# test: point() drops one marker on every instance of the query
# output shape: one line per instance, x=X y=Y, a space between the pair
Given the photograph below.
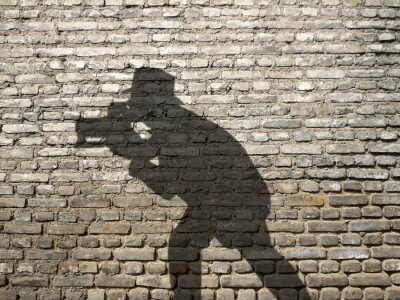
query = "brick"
x=344 y=98
x=46 y=202
x=34 y=177
x=345 y=148
x=73 y=26
x=324 y=74
x=20 y=128
x=115 y=281
x=325 y=280
x=239 y=124
x=391 y=211
x=58 y=176
x=369 y=279
x=22 y=228
x=80 y=202
x=261 y=254
x=119 y=228
x=368 y=174
x=384 y=148
x=305 y=253
x=284 y=227
x=182 y=50
x=11 y=254
x=73 y=281
x=91 y=254
x=284 y=281
x=391 y=265
x=240 y=281
x=257 y=98
x=61 y=229
x=34 y=78
x=133 y=201
x=45 y=254
x=59 y=127
x=304 y=200
x=220 y=254
x=261 y=149
x=326 y=226
x=32 y=281
x=134 y=254
x=12 y=202
x=370 y=225
x=15 y=52
x=156 y=281
x=15 y=103
x=178 y=254
x=348 y=253
x=347 y=200
x=282 y=123
x=215 y=99
x=325 y=123
x=192 y=281
x=301 y=149
x=327 y=174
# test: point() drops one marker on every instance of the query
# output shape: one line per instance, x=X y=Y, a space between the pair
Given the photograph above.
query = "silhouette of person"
x=192 y=163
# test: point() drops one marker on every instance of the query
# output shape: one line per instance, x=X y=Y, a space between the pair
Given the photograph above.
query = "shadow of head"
x=136 y=124
x=150 y=96
x=146 y=100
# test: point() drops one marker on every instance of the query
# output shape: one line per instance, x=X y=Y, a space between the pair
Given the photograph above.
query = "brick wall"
x=217 y=149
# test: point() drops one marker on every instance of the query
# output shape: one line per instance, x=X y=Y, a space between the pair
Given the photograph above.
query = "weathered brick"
x=305 y=253
x=20 y=128
x=33 y=177
x=191 y=281
x=115 y=281
x=156 y=281
x=31 y=281
x=262 y=149
x=282 y=123
x=220 y=254
x=325 y=280
x=283 y=281
x=368 y=174
x=89 y=202
x=240 y=281
x=301 y=149
x=325 y=123
x=73 y=281
x=326 y=226
x=45 y=254
x=284 y=227
x=345 y=148
x=23 y=228
x=91 y=254
x=175 y=253
x=108 y=228
x=12 y=202
x=369 y=279
x=370 y=225
x=46 y=202
x=348 y=253
x=347 y=200
x=304 y=200
x=385 y=252
x=134 y=254
x=61 y=229
x=15 y=103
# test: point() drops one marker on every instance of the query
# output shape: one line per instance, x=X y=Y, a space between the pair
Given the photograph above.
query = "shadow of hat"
x=146 y=75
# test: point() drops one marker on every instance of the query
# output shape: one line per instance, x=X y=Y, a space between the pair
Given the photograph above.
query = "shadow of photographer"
x=193 y=164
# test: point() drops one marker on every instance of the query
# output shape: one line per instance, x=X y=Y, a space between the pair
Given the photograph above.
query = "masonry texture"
x=204 y=149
